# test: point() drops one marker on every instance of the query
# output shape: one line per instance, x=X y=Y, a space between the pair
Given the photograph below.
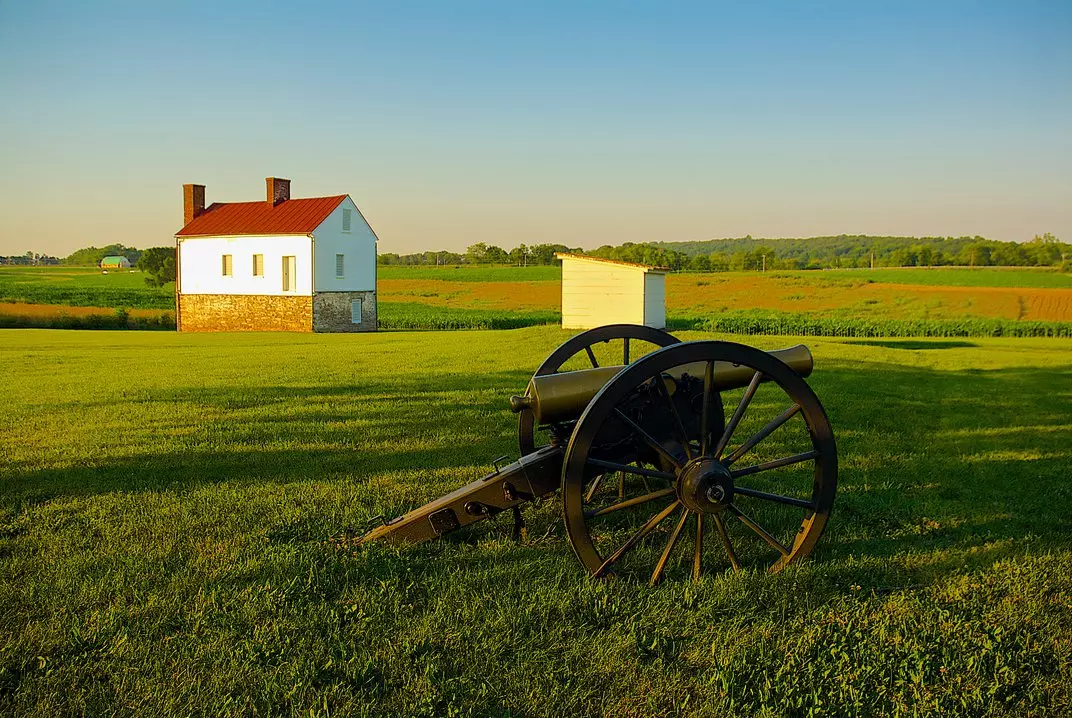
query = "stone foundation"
x=244 y=313
x=332 y=312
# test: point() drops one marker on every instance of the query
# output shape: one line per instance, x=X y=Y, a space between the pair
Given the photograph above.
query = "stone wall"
x=331 y=312
x=245 y=313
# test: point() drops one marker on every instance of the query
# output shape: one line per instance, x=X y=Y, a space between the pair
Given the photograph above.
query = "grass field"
x=166 y=500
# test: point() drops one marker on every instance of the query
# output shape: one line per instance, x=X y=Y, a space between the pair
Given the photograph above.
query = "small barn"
x=276 y=264
x=599 y=291
x=117 y=262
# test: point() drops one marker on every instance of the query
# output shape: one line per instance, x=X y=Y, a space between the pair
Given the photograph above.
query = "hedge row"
x=424 y=317
x=394 y=315
x=805 y=325
x=119 y=320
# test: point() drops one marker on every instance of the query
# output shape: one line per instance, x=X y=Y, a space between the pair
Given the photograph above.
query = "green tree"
x=159 y=264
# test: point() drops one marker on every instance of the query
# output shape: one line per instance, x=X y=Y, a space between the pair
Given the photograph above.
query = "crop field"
x=168 y=504
x=944 y=302
x=83 y=287
x=886 y=302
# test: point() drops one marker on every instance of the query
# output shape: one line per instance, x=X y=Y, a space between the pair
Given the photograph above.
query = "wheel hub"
x=705 y=485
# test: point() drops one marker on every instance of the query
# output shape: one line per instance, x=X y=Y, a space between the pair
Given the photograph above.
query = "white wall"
x=655 y=300
x=358 y=246
x=597 y=293
x=201 y=265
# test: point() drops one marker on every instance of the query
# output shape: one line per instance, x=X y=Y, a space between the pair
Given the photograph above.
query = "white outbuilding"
x=599 y=291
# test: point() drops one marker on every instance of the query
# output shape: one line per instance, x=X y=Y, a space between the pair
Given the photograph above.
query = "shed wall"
x=594 y=294
x=655 y=300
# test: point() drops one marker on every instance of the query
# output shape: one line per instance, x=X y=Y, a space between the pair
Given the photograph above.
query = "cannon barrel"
x=563 y=397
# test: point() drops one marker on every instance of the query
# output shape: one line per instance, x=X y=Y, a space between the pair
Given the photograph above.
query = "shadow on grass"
x=939 y=469
x=911 y=344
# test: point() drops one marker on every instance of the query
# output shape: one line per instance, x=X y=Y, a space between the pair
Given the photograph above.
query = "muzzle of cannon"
x=692 y=455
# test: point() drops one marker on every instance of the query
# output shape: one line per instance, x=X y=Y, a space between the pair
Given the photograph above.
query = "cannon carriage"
x=670 y=457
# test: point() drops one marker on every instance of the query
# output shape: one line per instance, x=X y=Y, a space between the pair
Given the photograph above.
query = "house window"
x=346 y=220
x=339 y=273
x=355 y=311
x=289 y=270
x=258 y=265
x=227 y=265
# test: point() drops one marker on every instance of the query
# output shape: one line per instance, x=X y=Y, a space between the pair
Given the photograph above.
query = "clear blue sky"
x=581 y=123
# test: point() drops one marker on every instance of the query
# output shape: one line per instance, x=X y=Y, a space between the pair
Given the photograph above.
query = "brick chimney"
x=193 y=202
x=278 y=190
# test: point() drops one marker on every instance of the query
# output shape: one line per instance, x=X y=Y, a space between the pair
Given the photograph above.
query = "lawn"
x=166 y=500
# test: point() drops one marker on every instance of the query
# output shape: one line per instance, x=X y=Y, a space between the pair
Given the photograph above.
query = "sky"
x=580 y=123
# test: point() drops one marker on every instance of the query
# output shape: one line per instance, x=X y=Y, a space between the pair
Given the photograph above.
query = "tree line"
x=750 y=254
x=716 y=255
x=482 y=253
x=29 y=259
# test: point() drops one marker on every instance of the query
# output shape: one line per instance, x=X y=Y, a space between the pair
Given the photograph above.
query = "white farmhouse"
x=280 y=264
x=598 y=291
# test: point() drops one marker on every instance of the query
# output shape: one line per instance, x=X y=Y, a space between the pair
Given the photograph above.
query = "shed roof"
x=633 y=265
x=114 y=259
x=294 y=216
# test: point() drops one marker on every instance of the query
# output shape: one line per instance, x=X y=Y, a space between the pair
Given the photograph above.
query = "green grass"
x=948 y=276
x=166 y=500
x=83 y=287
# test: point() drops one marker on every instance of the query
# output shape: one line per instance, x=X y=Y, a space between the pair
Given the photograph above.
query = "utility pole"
x=872 y=260
x=764 y=263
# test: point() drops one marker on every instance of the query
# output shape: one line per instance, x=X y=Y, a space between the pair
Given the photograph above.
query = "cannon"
x=652 y=440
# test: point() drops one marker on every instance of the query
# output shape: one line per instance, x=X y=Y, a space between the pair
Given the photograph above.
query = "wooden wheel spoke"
x=661 y=564
x=763 y=533
x=775 y=464
x=625 y=352
x=593 y=488
x=635 y=538
x=629 y=469
x=738 y=414
x=762 y=434
x=698 y=552
x=708 y=395
x=730 y=553
x=647 y=439
x=679 y=426
x=777 y=498
x=592 y=357
x=628 y=503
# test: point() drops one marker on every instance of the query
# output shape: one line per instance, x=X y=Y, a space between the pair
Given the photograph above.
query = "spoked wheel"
x=754 y=491
x=611 y=345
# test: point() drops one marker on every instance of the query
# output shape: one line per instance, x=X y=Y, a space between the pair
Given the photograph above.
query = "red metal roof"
x=295 y=216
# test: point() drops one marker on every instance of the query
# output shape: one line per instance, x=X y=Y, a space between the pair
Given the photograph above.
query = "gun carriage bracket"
x=685 y=457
